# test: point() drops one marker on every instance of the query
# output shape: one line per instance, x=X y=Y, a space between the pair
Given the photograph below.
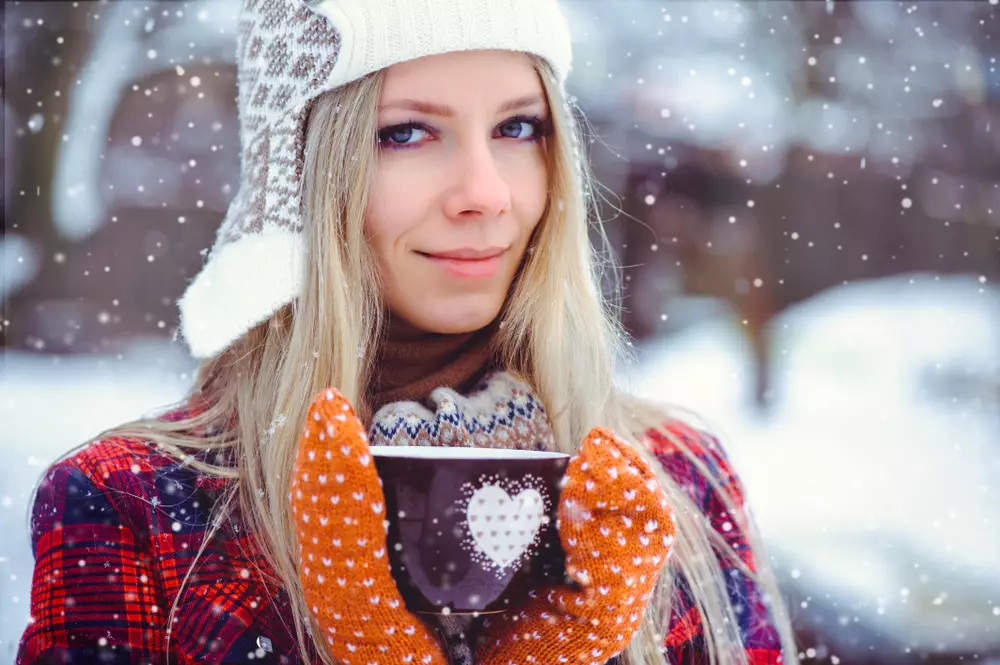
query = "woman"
x=435 y=286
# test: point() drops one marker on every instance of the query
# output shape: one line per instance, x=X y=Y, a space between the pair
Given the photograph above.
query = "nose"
x=480 y=189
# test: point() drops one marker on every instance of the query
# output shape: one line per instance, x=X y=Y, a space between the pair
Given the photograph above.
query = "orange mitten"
x=339 y=510
x=617 y=530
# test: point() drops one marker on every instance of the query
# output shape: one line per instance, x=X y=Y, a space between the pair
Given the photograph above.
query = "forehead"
x=486 y=77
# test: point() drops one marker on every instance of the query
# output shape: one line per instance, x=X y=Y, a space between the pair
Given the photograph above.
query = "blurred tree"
x=138 y=169
x=44 y=52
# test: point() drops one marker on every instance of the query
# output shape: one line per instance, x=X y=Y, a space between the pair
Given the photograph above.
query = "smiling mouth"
x=468 y=254
x=467 y=268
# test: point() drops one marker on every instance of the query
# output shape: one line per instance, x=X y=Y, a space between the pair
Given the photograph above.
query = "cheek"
x=529 y=186
x=394 y=208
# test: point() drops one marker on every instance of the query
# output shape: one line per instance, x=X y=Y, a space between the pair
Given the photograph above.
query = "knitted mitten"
x=617 y=531
x=339 y=509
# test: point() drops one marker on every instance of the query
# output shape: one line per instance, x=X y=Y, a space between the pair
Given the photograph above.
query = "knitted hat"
x=288 y=53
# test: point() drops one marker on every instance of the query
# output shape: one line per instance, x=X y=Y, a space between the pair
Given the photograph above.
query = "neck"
x=411 y=362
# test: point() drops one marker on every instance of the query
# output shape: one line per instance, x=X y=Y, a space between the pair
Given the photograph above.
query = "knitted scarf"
x=446 y=390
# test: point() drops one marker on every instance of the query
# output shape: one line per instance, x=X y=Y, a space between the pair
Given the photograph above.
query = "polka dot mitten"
x=617 y=530
x=339 y=511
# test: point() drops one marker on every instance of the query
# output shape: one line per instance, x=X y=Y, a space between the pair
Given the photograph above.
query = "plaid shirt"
x=116 y=526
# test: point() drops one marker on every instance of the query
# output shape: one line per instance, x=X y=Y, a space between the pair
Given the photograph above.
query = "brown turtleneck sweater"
x=411 y=363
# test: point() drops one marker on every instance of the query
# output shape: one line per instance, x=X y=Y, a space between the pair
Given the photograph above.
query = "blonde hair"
x=260 y=388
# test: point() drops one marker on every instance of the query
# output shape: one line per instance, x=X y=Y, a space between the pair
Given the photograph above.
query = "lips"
x=468 y=254
x=478 y=268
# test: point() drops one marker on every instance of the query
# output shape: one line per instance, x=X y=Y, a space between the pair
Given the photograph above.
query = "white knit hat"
x=288 y=53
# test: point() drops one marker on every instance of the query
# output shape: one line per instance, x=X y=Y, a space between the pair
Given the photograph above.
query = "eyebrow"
x=447 y=112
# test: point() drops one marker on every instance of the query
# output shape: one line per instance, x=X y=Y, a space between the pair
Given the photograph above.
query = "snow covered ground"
x=873 y=479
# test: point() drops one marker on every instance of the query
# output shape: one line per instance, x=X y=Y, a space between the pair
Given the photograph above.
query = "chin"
x=452 y=319
x=457 y=328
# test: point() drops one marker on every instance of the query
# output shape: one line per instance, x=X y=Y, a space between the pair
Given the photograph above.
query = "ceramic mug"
x=471 y=530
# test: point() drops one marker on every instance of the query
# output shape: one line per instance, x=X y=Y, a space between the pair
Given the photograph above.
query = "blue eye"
x=525 y=128
x=539 y=127
x=409 y=135
x=399 y=135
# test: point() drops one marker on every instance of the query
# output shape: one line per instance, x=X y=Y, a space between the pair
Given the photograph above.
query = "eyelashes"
x=395 y=137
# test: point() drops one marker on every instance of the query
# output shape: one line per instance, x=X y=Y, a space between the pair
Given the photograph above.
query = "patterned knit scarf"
x=445 y=390
x=501 y=411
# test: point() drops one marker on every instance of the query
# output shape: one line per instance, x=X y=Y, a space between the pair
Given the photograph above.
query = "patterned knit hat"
x=288 y=53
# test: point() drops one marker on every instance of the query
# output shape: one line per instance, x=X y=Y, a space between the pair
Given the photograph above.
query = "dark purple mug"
x=471 y=530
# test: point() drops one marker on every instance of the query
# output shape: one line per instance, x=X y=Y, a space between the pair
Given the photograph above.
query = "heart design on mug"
x=503 y=526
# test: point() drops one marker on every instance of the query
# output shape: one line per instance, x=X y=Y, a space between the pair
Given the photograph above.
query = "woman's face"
x=461 y=175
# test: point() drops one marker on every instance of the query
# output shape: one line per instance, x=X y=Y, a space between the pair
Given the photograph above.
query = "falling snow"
x=875 y=119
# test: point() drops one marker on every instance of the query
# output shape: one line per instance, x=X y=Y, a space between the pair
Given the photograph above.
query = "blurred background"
x=806 y=197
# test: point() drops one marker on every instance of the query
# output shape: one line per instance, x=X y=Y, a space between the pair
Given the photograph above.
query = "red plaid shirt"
x=116 y=526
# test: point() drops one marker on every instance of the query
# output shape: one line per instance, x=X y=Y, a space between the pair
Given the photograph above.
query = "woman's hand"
x=617 y=530
x=339 y=511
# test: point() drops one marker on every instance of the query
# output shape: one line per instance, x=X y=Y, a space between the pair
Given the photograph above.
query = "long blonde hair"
x=260 y=388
